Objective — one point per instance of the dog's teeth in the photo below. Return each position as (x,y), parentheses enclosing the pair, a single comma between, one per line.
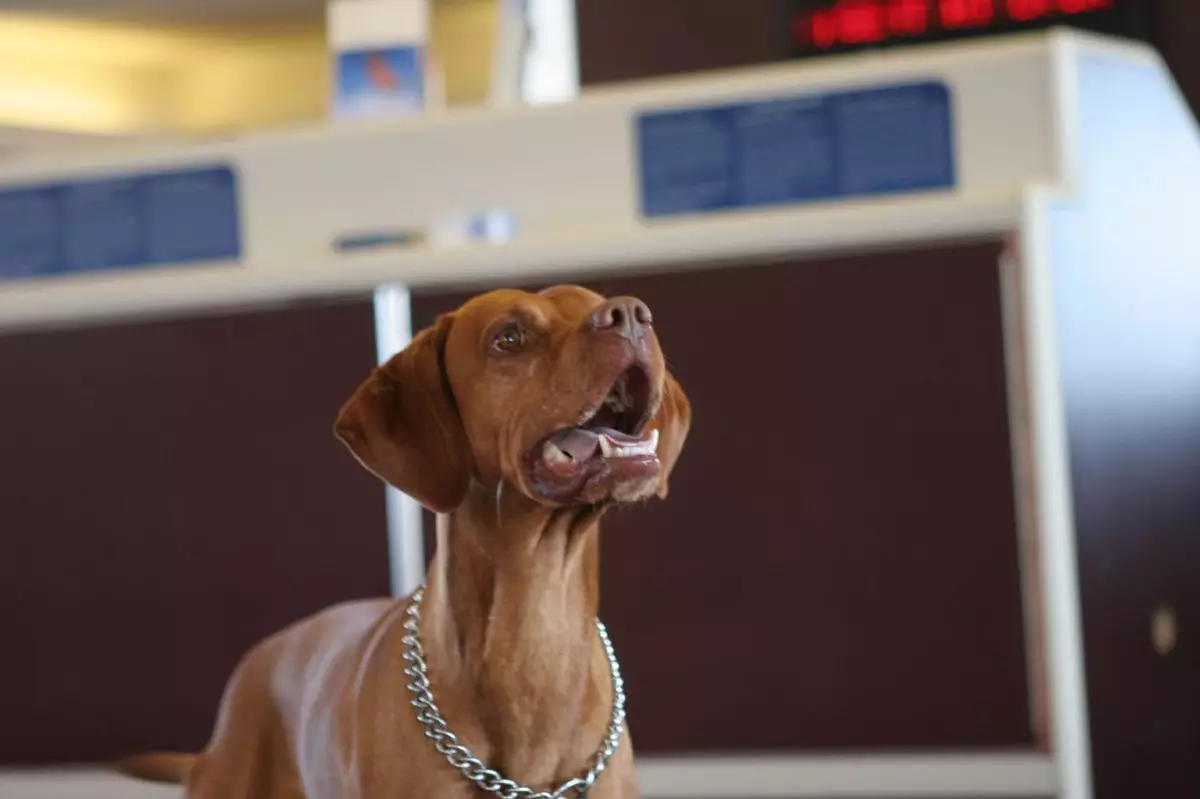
(553,454)
(612,449)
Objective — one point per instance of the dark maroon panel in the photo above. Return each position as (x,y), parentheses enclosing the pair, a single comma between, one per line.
(1130,361)
(172,493)
(837,564)
(1137,513)
(1176,26)
(622,40)
(627,39)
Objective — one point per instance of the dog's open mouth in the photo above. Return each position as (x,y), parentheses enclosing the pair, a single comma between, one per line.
(609,445)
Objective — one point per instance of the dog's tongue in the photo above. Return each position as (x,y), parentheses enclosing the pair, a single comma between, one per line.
(579,444)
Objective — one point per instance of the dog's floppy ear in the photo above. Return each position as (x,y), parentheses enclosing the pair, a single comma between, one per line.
(673,419)
(403,425)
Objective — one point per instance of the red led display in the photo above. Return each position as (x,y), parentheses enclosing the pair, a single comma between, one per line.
(908,17)
(1025,10)
(862,22)
(967,13)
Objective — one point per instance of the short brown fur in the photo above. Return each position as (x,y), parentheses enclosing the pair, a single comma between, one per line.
(321,710)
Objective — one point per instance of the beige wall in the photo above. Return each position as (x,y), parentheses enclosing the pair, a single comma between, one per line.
(463,35)
(106,78)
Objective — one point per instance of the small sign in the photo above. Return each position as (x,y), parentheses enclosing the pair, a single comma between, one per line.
(127,222)
(796,150)
(379,81)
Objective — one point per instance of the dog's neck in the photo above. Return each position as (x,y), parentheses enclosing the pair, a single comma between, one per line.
(509,625)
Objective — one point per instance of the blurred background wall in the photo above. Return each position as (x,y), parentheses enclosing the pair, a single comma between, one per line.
(628,39)
(81,71)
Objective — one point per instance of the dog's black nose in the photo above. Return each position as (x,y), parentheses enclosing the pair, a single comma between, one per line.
(628,317)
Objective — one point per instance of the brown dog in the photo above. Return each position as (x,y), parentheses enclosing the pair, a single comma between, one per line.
(519,418)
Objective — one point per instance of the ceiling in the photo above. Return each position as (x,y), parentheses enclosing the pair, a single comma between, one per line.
(177,12)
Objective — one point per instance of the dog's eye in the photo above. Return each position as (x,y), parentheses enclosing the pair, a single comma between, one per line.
(511,338)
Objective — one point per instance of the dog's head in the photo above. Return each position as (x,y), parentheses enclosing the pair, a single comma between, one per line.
(563,394)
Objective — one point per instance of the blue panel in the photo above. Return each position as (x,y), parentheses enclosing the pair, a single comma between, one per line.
(126,222)
(102,225)
(30,244)
(796,150)
(191,216)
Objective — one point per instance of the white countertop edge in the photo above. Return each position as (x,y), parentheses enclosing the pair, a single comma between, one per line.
(794,233)
(996,775)
(834,776)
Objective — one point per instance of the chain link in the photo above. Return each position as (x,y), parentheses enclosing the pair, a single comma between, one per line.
(459,756)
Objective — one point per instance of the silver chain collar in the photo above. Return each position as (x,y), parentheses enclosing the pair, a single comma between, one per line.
(460,756)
